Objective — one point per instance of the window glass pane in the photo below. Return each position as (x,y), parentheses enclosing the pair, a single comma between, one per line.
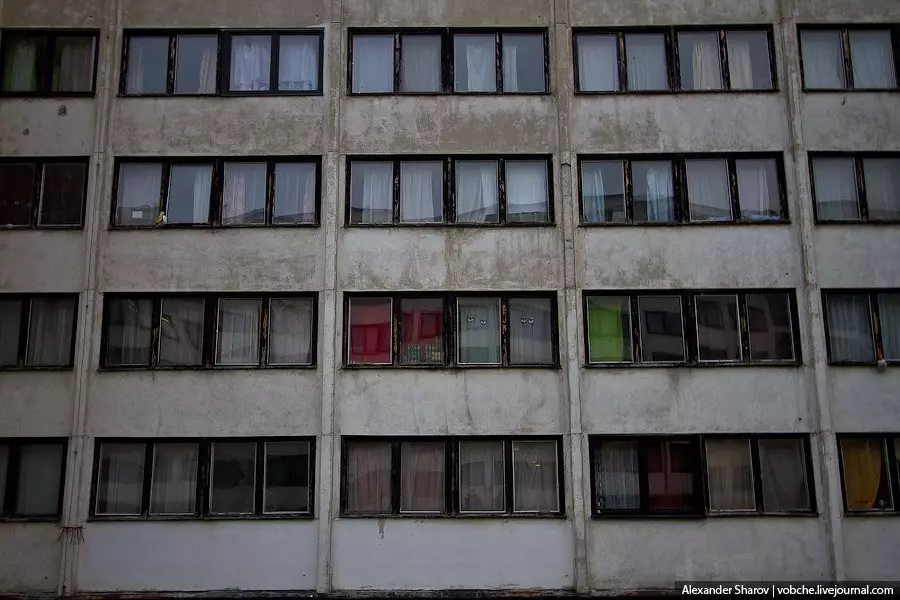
(526,192)
(290,331)
(834,183)
(244,196)
(523,62)
(535,477)
(729,475)
(823,59)
(369,325)
(771,331)
(137,199)
(128,331)
(373,63)
(20,62)
(148,64)
(195,64)
(422,477)
(482,477)
(530,331)
(758,188)
(233,477)
(849,328)
(617,476)
(872,58)
(4,467)
(609,329)
(421,64)
(298,63)
(40,468)
(882,176)
(783,475)
(889,321)
(16,193)
(73,64)
(699,60)
(121,479)
(238,333)
(368,477)
(287,477)
(421,331)
(645,54)
(479,330)
(10,325)
(421,192)
(866,480)
(181,332)
(477,196)
(654,191)
(50,332)
(670,477)
(371,192)
(250,63)
(603,191)
(62,194)
(748,60)
(718,330)
(598,63)
(474,69)
(174,487)
(189,192)
(709,192)
(662,335)
(295,193)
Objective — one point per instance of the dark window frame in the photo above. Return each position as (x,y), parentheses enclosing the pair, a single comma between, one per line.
(451,474)
(858,159)
(39,164)
(844,31)
(44,65)
(673,73)
(690,328)
(449,188)
(217,187)
(203,495)
(680,188)
(874,320)
(13,468)
(450,324)
(24,330)
(892,475)
(210,329)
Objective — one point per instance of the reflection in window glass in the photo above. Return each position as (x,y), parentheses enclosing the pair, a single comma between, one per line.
(603,191)
(771,330)
(128,332)
(523,62)
(148,65)
(195,64)
(233,477)
(421,331)
(10,324)
(16,192)
(287,477)
(40,467)
(189,194)
(718,329)
(662,334)
(369,328)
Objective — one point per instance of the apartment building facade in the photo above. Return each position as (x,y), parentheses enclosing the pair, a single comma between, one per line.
(340,295)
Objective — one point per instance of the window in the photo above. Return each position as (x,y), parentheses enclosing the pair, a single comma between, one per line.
(451,476)
(856,188)
(200,478)
(449,191)
(862,327)
(674,59)
(691,189)
(692,328)
(420,323)
(44,63)
(209,330)
(43,193)
(844,59)
(216,192)
(32,473)
(37,331)
(870,473)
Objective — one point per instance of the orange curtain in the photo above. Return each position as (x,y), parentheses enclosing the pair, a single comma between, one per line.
(863,462)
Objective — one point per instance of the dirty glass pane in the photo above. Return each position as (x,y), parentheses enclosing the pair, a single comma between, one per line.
(181,332)
(718,328)
(16,194)
(10,324)
(120,480)
(373,64)
(421,331)
(770,325)
(662,334)
(174,486)
(617,476)
(749,67)
(40,467)
(148,64)
(535,477)
(287,477)
(479,330)
(482,477)
(783,474)
(609,329)
(729,475)
(195,64)
(368,477)
(699,61)
(531,331)
(369,331)
(128,331)
(62,194)
(371,192)
(523,62)
(422,477)
(233,478)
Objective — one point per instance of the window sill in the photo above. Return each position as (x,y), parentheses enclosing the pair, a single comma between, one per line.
(34,369)
(673,224)
(772,91)
(124,369)
(42,228)
(446,225)
(363,367)
(51,519)
(872,513)
(873,364)
(857,222)
(46,96)
(456,516)
(433,94)
(642,516)
(699,365)
(850,90)
(207,227)
(762,515)
(230,94)
(195,518)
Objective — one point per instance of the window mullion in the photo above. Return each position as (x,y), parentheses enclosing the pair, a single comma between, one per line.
(13,467)
(164,188)
(689,328)
(859,172)
(501,196)
(893,474)
(736,213)
(876,326)
(396,484)
(622,61)
(629,190)
(155,326)
(743,309)
(498,60)
(264,304)
(449,317)
(210,333)
(449,205)
(756,469)
(848,60)
(259,488)
(395,201)
(270,192)
(673,68)
(25,320)
(636,342)
(46,62)
(508,475)
(396,326)
(201,506)
(682,201)
(642,477)
(148,479)
(723,56)
(36,185)
(398,62)
(450,481)
(504,331)
(171,65)
(274,56)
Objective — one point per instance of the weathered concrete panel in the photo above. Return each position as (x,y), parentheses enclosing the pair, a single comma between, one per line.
(871,550)
(46,127)
(877,408)
(406,554)
(36,403)
(852,122)
(42,261)
(846,11)
(661,12)
(53,13)
(446,13)
(223,13)
(857,255)
(30,554)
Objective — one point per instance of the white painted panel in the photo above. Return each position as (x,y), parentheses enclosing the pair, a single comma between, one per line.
(47,127)
(865,399)
(871,550)
(29,557)
(36,403)
(42,261)
(857,255)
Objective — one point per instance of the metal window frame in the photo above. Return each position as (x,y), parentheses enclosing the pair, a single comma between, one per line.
(38,165)
(13,470)
(874,320)
(24,331)
(892,474)
(858,159)
(844,31)
(44,65)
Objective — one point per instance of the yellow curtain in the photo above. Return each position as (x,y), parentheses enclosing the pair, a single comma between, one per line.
(863,463)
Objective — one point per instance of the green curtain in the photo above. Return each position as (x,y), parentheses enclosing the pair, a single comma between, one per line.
(607,338)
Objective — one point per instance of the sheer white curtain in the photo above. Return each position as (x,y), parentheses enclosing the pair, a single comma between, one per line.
(645,54)
(298,63)
(20,71)
(368,477)
(295,193)
(593,193)
(479,330)
(373,63)
(422,477)
(616,475)
(850,327)
(50,332)
(174,479)
(250,63)
(290,331)
(660,192)
(598,64)
(530,327)
(783,474)
(474,57)
(39,475)
(121,479)
(238,332)
(701,50)
(137,201)
(535,481)
(834,180)
(128,341)
(206,83)
(740,63)
(372,185)
(873,62)
(757,188)
(730,475)
(823,59)
(181,331)
(202,190)
(421,192)
(882,176)
(526,191)
(482,477)
(889,313)
(244,196)
(477,192)
(75,68)
(510,66)
(10,322)
(708,190)
(421,70)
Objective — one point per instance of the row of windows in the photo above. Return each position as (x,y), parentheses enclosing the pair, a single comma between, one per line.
(435,61)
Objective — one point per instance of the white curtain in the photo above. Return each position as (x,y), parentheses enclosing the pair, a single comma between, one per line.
(39,475)
(823,59)
(660,190)
(889,313)
(372,186)
(421,63)
(10,322)
(20,70)
(421,192)
(298,63)
(477,53)
(872,57)
(189,191)
(50,332)
(482,477)
(617,476)
(708,190)
(238,332)
(202,190)
(479,330)
(740,61)
(422,477)
(701,50)
(128,338)
(290,331)
(295,193)
(148,59)
(195,69)
(526,191)
(119,491)
(477,192)
(729,475)
(783,475)
(75,68)
(368,477)
(882,176)
(174,479)
(530,331)
(758,188)
(181,332)
(598,63)
(602,200)
(834,180)
(137,201)
(510,66)
(373,63)
(850,327)
(535,483)
(645,54)
(244,196)
(250,63)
